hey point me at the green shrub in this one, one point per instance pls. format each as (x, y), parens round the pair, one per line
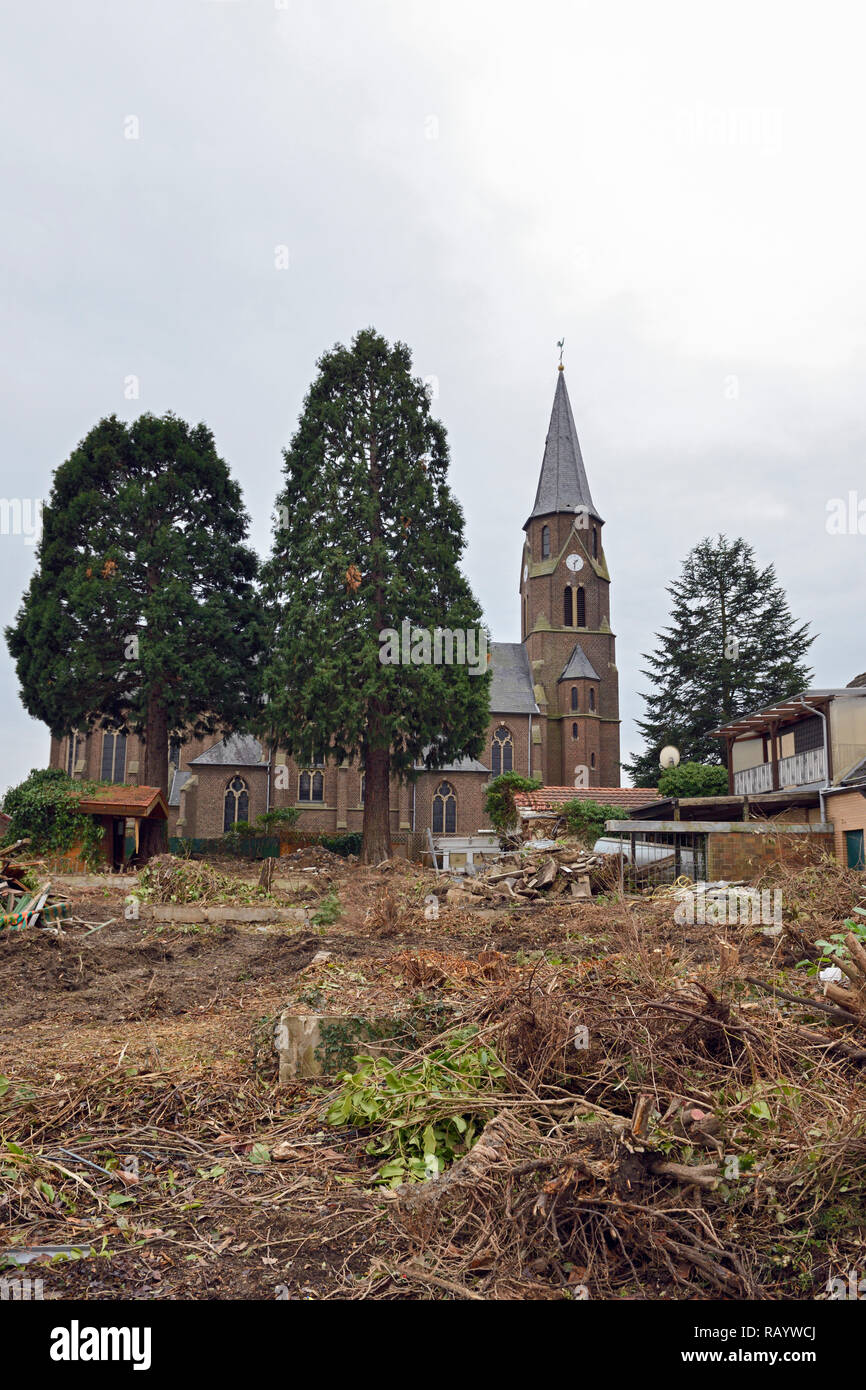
(694, 779)
(586, 818)
(499, 801)
(343, 844)
(44, 807)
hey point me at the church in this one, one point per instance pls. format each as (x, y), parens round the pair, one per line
(554, 699)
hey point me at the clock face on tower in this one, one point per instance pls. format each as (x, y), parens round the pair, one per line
(574, 563)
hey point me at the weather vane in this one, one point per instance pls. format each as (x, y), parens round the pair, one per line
(560, 345)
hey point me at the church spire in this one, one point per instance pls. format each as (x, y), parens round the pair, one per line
(562, 484)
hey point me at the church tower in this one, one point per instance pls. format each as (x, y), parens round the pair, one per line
(565, 615)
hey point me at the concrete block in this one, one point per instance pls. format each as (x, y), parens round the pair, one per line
(178, 912)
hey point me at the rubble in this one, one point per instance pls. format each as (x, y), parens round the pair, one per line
(21, 906)
(563, 868)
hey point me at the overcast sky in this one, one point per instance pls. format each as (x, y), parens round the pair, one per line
(677, 189)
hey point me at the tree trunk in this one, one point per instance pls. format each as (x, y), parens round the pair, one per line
(153, 833)
(377, 806)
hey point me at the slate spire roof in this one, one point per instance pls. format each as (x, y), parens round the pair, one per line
(562, 485)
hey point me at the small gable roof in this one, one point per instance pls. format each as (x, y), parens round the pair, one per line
(579, 666)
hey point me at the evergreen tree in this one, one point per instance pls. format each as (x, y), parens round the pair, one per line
(731, 647)
(369, 536)
(141, 614)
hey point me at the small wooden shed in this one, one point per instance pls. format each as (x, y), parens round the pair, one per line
(141, 808)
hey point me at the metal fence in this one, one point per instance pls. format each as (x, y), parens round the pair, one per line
(650, 857)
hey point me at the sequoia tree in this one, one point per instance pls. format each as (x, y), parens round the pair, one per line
(141, 614)
(732, 646)
(364, 571)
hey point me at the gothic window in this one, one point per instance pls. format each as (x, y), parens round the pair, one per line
(592, 760)
(574, 731)
(581, 607)
(74, 751)
(574, 704)
(444, 809)
(502, 756)
(545, 542)
(595, 542)
(113, 757)
(592, 699)
(567, 614)
(311, 786)
(236, 805)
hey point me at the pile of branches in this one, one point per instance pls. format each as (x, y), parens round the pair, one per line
(167, 879)
(657, 1137)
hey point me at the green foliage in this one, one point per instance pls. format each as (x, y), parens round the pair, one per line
(368, 534)
(343, 844)
(731, 647)
(499, 800)
(283, 816)
(694, 779)
(586, 818)
(44, 807)
(242, 836)
(141, 613)
(418, 1109)
(835, 948)
(328, 911)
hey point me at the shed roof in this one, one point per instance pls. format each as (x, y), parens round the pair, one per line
(120, 800)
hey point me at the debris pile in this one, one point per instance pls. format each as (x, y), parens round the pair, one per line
(564, 869)
(21, 906)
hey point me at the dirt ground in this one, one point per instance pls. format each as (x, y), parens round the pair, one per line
(140, 1112)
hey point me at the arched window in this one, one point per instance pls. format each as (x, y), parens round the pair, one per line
(444, 809)
(502, 755)
(574, 704)
(595, 542)
(574, 731)
(567, 611)
(74, 751)
(113, 757)
(591, 698)
(545, 542)
(581, 607)
(236, 805)
(592, 760)
(311, 786)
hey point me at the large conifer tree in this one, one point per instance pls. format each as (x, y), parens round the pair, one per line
(141, 614)
(368, 535)
(731, 647)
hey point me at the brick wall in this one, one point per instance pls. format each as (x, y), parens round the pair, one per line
(846, 811)
(746, 853)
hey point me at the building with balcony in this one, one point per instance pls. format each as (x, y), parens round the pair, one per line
(813, 740)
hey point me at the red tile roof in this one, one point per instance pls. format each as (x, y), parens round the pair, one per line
(121, 800)
(549, 798)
